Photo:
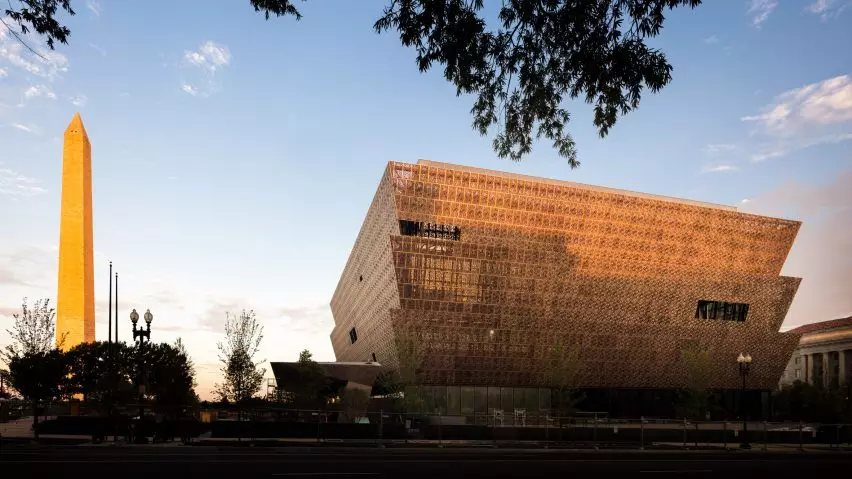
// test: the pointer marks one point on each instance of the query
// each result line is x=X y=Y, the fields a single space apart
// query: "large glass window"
x=480 y=399
x=467 y=400
x=429 y=230
x=506 y=402
x=494 y=398
x=453 y=400
x=544 y=398
x=721 y=310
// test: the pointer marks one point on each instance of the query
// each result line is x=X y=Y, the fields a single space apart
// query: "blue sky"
x=234 y=158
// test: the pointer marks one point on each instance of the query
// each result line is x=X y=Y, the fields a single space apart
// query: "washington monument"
x=75 y=303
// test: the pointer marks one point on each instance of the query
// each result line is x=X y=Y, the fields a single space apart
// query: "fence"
x=497 y=428
x=517 y=428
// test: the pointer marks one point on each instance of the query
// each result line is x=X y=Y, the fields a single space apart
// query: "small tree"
x=33 y=331
x=90 y=370
x=39 y=376
x=353 y=404
x=242 y=378
x=564 y=367
x=695 y=396
x=402 y=383
x=311 y=383
x=171 y=375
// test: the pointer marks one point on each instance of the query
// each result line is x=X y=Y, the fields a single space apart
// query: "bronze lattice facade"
x=489 y=270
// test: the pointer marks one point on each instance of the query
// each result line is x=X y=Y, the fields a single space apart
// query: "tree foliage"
x=170 y=374
x=695 y=397
x=564 y=377
x=801 y=401
x=309 y=388
x=33 y=331
x=522 y=66
x=39 y=376
x=401 y=384
x=40 y=15
x=242 y=379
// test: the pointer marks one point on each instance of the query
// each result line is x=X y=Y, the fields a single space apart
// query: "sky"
x=234 y=158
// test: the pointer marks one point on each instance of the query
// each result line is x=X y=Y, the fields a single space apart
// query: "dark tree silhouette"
x=39 y=376
x=521 y=67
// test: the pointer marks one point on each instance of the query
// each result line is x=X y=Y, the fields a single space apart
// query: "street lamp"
x=744 y=362
x=140 y=335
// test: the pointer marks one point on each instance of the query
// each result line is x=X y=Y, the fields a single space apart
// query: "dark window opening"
x=721 y=310
x=429 y=230
x=374 y=358
x=360 y=278
x=353 y=336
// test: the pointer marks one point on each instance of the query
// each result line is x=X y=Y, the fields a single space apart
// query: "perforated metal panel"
x=540 y=262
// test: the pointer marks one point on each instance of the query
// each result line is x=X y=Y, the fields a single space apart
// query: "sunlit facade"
x=491 y=271
x=75 y=304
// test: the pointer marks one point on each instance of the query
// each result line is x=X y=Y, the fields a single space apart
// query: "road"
x=243 y=462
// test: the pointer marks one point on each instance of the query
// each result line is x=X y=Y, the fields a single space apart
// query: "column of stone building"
x=826 y=369
x=809 y=368
x=841 y=357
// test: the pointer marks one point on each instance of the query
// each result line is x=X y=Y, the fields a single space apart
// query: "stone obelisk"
x=75 y=303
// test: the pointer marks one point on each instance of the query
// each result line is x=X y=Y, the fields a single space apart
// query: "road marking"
x=679 y=471
x=326 y=474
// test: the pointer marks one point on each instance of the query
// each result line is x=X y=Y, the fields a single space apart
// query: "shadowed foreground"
x=177 y=461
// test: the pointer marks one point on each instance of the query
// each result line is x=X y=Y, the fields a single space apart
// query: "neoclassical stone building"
x=824 y=354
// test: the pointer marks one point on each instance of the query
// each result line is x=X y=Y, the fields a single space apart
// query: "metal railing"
x=518 y=428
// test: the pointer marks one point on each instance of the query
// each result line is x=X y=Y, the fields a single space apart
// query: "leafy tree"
x=353 y=403
x=33 y=331
x=522 y=68
x=564 y=371
x=90 y=370
x=311 y=386
x=242 y=378
x=801 y=401
x=695 y=397
x=5 y=386
x=170 y=374
x=402 y=383
x=39 y=376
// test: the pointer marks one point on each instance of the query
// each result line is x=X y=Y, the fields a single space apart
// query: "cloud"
x=16 y=185
x=828 y=9
x=3 y=73
x=825 y=102
x=783 y=146
x=712 y=39
x=207 y=62
x=38 y=91
x=94 y=6
x=714 y=149
x=209 y=56
x=98 y=49
x=822 y=252
x=32 y=266
x=814 y=114
x=186 y=87
x=719 y=169
x=79 y=100
x=48 y=64
x=759 y=10
x=28 y=129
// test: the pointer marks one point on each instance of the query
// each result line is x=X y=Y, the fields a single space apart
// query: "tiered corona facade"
x=491 y=272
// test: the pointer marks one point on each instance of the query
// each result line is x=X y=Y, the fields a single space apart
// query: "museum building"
x=495 y=276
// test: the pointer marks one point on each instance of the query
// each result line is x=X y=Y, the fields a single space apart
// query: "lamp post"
x=744 y=362
x=140 y=335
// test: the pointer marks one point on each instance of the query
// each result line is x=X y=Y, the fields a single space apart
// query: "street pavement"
x=158 y=461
